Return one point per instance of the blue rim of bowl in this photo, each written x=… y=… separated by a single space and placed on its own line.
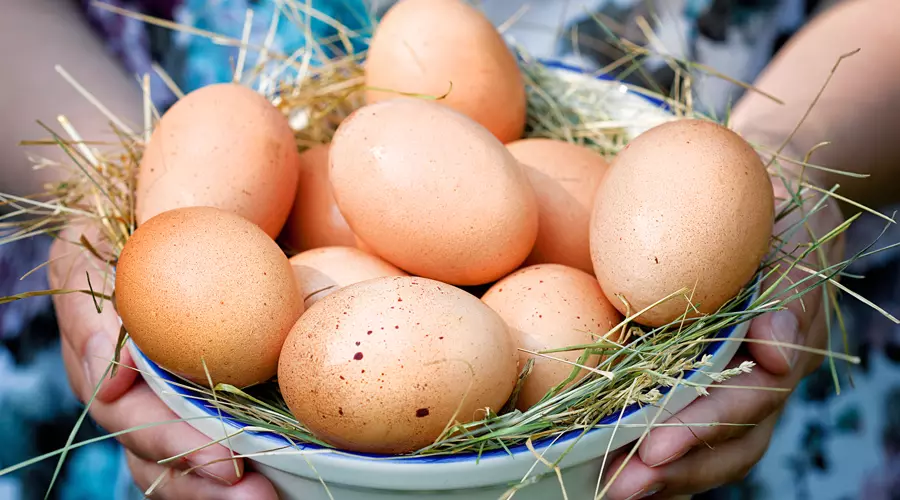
x=279 y=441
x=553 y=64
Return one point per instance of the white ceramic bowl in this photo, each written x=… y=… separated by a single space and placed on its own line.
x=299 y=472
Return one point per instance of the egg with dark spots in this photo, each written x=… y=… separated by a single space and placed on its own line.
x=687 y=205
x=399 y=388
x=566 y=308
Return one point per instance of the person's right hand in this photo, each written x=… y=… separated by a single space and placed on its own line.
x=125 y=401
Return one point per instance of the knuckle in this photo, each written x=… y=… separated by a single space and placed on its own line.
x=814 y=361
x=141 y=446
x=57 y=249
x=757 y=455
x=743 y=471
x=747 y=465
x=154 y=484
x=73 y=373
x=771 y=404
x=135 y=465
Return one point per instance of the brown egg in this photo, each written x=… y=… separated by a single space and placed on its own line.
x=202 y=284
x=223 y=146
x=382 y=366
x=422 y=46
x=360 y=244
x=432 y=192
x=565 y=177
x=687 y=204
x=315 y=219
x=323 y=271
x=550 y=306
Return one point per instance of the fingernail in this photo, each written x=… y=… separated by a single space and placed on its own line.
x=209 y=475
x=98 y=353
x=674 y=457
x=785 y=329
x=649 y=491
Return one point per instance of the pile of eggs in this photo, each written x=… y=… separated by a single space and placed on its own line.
x=379 y=330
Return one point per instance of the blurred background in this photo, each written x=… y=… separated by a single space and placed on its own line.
x=826 y=446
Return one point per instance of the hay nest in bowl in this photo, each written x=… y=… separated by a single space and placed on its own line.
x=563 y=105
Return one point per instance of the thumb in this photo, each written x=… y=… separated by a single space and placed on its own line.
x=782 y=327
x=90 y=334
x=797 y=323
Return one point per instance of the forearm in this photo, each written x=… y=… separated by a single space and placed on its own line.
x=859 y=112
x=35 y=35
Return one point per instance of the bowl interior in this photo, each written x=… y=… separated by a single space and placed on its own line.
x=173 y=383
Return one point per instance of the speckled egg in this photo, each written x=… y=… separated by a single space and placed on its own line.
x=550 y=306
x=565 y=177
x=382 y=366
x=222 y=146
x=323 y=271
x=687 y=204
x=315 y=220
x=424 y=46
x=433 y=192
x=203 y=284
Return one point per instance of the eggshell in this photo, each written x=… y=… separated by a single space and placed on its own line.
x=565 y=178
x=203 y=284
x=551 y=306
x=432 y=192
x=382 y=366
x=424 y=46
x=323 y=271
x=362 y=245
x=687 y=204
x=223 y=146
x=315 y=220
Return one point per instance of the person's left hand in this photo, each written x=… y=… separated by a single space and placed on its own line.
x=124 y=401
x=683 y=460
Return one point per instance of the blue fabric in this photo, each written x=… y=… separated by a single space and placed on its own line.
x=199 y=61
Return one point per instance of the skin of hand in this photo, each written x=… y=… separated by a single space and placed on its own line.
x=125 y=401
x=858 y=125
x=855 y=112
x=674 y=461
x=34 y=36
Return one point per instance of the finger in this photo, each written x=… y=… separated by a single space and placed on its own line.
x=162 y=442
x=705 y=469
x=700 y=470
x=113 y=386
x=139 y=407
x=782 y=327
x=723 y=405
x=158 y=442
x=634 y=480
x=90 y=333
x=177 y=485
x=788 y=361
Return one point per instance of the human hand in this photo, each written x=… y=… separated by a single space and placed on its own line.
x=125 y=401
x=673 y=461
